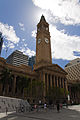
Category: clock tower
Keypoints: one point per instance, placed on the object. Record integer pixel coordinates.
(43, 43)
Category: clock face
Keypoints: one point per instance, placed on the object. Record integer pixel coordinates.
(46, 40)
(39, 40)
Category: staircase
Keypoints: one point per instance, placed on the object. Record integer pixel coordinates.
(12, 104)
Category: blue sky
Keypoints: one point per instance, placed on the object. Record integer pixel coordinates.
(18, 20)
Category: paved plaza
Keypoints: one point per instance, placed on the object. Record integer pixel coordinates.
(65, 114)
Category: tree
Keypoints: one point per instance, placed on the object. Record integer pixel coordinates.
(55, 94)
(6, 78)
(35, 90)
(22, 84)
(25, 85)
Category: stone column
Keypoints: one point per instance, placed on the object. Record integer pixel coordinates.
(30, 94)
(51, 81)
(7, 89)
(54, 80)
(14, 84)
(60, 82)
(44, 92)
(66, 84)
(57, 81)
(47, 83)
(63, 82)
(65, 87)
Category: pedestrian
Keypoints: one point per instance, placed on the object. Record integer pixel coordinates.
(58, 107)
(61, 105)
(45, 106)
(35, 106)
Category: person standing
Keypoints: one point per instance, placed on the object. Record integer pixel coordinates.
(58, 107)
(45, 107)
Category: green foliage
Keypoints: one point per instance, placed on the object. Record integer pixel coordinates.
(37, 88)
(6, 76)
(56, 93)
(6, 79)
(22, 82)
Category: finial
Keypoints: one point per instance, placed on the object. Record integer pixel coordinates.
(42, 18)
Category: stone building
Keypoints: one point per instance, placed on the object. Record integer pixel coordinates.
(52, 75)
(32, 61)
(73, 78)
(17, 58)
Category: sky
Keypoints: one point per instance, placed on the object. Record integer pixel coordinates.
(18, 24)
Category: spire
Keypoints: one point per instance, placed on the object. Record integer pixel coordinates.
(42, 18)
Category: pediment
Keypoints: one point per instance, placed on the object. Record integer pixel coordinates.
(50, 67)
(56, 68)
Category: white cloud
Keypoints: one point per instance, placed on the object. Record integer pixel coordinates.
(27, 51)
(3, 46)
(17, 45)
(25, 45)
(10, 45)
(63, 44)
(21, 26)
(9, 33)
(23, 29)
(66, 11)
(34, 33)
(23, 40)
